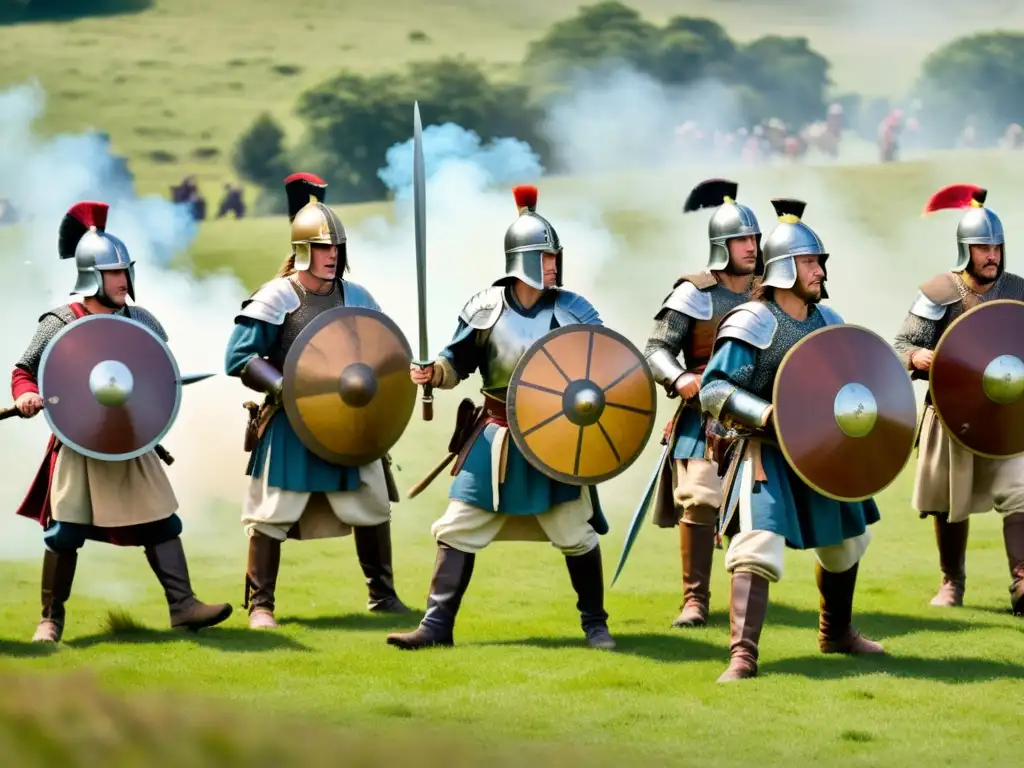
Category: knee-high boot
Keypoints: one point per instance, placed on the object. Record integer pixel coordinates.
(373, 548)
(697, 548)
(171, 568)
(452, 571)
(261, 580)
(748, 604)
(58, 576)
(587, 575)
(951, 539)
(835, 625)
(1013, 538)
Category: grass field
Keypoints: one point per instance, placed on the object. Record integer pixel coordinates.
(521, 686)
(176, 84)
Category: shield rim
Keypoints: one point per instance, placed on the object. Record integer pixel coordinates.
(51, 345)
(785, 452)
(291, 361)
(510, 405)
(931, 391)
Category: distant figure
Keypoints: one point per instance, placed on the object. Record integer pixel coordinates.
(232, 202)
(889, 131)
(188, 192)
(1012, 139)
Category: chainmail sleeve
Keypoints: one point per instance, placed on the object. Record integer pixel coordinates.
(916, 333)
(669, 333)
(48, 327)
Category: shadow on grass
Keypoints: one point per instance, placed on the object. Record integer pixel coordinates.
(955, 670)
(677, 647)
(357, 621)
(21, 649)
(874, 624)
(218, 638)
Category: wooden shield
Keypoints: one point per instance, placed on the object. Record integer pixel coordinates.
(581, 404)
(110, 387)
(347, 391)
(845, 413)
(977, 379)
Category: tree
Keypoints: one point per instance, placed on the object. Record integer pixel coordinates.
(790, 77)
(15, 11)
(259, 155)
(690, 49)
(979, 76)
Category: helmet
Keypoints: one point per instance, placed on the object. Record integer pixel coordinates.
(312, 221)
(729, 221)
(791, 238)
(978, 226)
(82, 236)
(527, 240)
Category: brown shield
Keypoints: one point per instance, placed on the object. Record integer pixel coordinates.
(110, 387)
(845, 413)
(977, 379)
(581, 404)
(347, 391)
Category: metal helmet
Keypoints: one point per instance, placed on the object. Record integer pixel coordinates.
(527, 240)
(729, 221)
(978, 226)
(791, 238)
(312, 221)
(83, 237)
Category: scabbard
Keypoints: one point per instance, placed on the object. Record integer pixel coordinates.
(417, 489)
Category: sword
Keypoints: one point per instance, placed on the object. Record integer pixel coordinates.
(419, 196)
(641, 513)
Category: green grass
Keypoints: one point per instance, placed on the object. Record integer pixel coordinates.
(187, 76)
(521, 678)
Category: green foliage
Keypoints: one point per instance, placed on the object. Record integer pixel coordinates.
(790, 78)
(259, 156)
(14, 11)
(978, 75)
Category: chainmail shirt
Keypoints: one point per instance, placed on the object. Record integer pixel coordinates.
(759, 379)
(672, 328)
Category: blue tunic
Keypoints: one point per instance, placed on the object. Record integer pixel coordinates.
(690, 437)
(785, 504)
(293, 467)
(524, 490)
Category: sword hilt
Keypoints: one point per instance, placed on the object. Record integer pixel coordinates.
(428, 402)
(7, 413)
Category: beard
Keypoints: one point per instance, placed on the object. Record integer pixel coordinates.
(807, 295)
(732, 268)
(982, 279)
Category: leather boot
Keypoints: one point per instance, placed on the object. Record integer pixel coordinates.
(58, 575)
(452, 572)
(697, 547)
(1013, 538)
(261, 580)
(835, 625)
(587, 576)
(373, 548)
(171, 568)
(951, 539)
(748, 604)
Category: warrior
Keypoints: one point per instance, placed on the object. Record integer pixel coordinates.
(293, 492)
(952, 483)
(777, 509)
(77, 498)
(497, 493)
(690, 491)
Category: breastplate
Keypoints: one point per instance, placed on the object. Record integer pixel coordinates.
(701, 339)
(789, 332)
(310, 305)
(507, 340)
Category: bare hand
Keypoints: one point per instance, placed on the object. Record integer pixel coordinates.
(29, 404)
(922, 359)
(421, 374)
(688, 385)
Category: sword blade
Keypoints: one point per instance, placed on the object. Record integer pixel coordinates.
(640, 515)
(419, 196)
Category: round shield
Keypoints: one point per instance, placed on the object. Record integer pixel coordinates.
(347, 391)
(581, 404)
(977, 379)
(845, 412)
(110, 387)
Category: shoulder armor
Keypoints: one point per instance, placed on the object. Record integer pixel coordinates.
(272, 302)
(688, 299)
(571, 308)
(703, 280)
(62, 313)
(942, 289)
(357, 296)
(752, 322)
(148, 319)
(831, 316)
(926, 308)
(481, 312)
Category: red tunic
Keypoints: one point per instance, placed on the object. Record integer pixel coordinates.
(37, 501)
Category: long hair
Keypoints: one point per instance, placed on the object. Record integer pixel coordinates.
(761, 292)
(287, 267)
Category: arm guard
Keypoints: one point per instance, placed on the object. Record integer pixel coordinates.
(664, 345)
(261, 376)
(733, 406)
